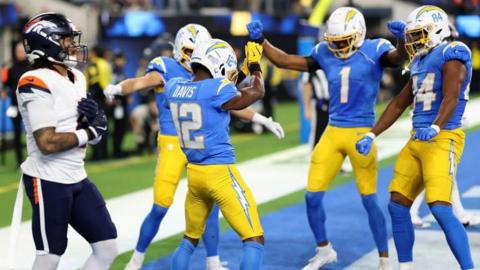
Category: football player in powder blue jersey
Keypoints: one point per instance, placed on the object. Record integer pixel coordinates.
(353, 66)
(441, 71)
(171, 160)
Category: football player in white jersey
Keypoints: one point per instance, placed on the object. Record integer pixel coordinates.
(59, 123)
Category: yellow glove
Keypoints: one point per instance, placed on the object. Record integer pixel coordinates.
(253, 53)
(244, 67)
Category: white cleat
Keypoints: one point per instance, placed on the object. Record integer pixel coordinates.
(406, 266)
(135, 262)
(419, 223)
(325, 255)
(214, 263)
(469, 219)
(384, 264)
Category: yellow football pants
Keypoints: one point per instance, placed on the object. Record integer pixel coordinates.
(335, 144)
(170, 164)
(221, 184)
(430, 165)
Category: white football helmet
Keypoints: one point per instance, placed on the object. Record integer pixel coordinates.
(427, 27)
(218, 57)
(345, 31)
(186, 39)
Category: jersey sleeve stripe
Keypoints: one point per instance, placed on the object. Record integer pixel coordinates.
(27, 83)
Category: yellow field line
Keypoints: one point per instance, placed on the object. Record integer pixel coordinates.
(9, 187)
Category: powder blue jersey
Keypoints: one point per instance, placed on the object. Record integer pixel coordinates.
(353, 83)
(168, 68)
(202, 125)
(427, 79)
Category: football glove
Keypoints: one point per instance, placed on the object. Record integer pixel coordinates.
(271, 125)
(426, 134)
(255, 31)
(364, 145)
(253, 54)
(397, 28)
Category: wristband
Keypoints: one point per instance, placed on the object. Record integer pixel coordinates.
(254, 67)
(82, 136)
(258, 118)
(436, 128)
(371, 135)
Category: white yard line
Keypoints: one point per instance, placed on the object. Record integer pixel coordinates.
(286, 171)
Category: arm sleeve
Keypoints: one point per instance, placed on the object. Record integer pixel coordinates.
(225, 92)
(40, 113)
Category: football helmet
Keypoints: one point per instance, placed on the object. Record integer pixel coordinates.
(53, 37)
(218, 57)
(345, 31)
(186, 39)
(427, 27)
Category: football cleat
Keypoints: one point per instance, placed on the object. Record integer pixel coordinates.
(214, 263)
(135, 262)
(384, 264)
(406, 266)
(469, 219)
(324, 256)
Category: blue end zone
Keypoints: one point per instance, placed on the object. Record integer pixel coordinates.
(290, 243)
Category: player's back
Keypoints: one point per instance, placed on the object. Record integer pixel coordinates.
(353, 82)
(427, 78)
(168, 68)
(202, 125)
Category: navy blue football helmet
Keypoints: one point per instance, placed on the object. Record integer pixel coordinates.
(53, 37)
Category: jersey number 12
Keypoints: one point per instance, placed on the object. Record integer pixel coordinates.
(185, 127)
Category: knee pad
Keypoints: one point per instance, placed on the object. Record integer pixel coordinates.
(105, 251)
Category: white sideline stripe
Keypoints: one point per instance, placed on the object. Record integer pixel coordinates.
(286, 171)
(472, 192)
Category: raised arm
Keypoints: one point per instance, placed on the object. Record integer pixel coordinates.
(396, 57)
(247, 95)
(278, 57)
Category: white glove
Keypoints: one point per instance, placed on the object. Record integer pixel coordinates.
(112, 90)
(271, 125)
(12, 111)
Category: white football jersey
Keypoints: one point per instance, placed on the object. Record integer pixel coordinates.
(52, 100)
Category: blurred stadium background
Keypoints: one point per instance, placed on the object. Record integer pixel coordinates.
(123, 35)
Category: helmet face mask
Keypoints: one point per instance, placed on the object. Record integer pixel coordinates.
(427, 27)
(53, 37)
(345, 32)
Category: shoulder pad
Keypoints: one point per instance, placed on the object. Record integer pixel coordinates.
(29, 82)
(457, 51)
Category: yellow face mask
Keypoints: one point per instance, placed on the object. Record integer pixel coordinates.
(416, 41)
(342, 46)
(186, 52)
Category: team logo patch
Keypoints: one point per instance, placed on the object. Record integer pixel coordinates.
(218, 45)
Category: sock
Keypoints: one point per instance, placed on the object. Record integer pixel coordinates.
(455, 233)
(211, 233)
(377, 222)
(46, 262)
(252, 256)
(150, 227)
(103, 254)
(402, 229)
(181, 256)
(316, 215)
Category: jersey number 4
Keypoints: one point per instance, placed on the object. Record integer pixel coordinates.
(425, 93)
(185, 127)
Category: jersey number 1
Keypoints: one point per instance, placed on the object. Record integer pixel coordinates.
(184, 128)
(344, 84)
